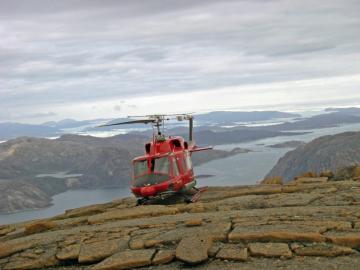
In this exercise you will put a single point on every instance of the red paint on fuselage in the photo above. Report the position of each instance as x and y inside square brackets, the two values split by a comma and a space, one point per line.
[180, 171]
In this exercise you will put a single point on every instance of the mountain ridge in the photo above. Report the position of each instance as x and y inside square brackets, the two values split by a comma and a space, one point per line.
[331, 152]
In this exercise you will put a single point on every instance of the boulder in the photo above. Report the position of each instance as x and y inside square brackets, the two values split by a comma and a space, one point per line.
[194, 222]
[127, 259]
[217, 230]
[325, 250]
[31, 260]
[193, 249]
[309, 180]
[163, 257]
[273, 180]
[270, 250]
[39, 226]
[70, 252]
[232, 253]
[133, 212]
[328, 174]
[348, 239]
[11, 247]
[6, 229]
[85, 211]
[309, 174]
[94, 252]
[276, 233]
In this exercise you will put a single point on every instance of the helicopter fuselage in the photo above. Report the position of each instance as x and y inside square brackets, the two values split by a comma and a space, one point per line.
[166, 168]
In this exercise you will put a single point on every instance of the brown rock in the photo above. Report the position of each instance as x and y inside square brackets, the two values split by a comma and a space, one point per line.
[270, 250]
[233, 254]
[163, 257]
[281, 232]
[213, 251]
[29, 260]
[345, 239]
[39, 251]
[8, 248]
[357, 172]
[218, 231]
[85, 211]
[69, 252]
[39, 226]
[194, 222]
[5, 230]
[328, 174]
[325, 250]
[309, 180]
[274, 180]
[127, 259]
[137, 244]
[152, 243]
[194, 249]
[294, 246]
[308, 175]
[97, 251]
[135, 212]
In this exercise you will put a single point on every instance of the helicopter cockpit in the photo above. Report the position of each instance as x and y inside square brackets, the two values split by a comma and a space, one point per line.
[151, 171]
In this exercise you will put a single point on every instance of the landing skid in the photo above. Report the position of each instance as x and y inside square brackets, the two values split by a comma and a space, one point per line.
[172, 198]
[195, 197]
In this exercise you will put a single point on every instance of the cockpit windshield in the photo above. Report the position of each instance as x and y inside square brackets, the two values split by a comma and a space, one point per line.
[151, 171]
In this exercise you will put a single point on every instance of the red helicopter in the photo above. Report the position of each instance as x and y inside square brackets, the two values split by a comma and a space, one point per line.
[166, 168]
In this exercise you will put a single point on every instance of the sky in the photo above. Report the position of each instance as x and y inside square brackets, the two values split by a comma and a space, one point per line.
[111, 58]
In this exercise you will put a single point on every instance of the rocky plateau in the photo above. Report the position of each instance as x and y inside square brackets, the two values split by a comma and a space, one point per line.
[308, 223]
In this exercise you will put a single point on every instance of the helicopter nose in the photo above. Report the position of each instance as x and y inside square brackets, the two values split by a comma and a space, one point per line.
[148, 191]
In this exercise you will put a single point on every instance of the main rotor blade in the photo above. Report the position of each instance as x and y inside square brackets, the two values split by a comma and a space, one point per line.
[142, 121]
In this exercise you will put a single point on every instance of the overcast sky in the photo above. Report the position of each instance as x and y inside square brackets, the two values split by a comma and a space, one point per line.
[107, 58]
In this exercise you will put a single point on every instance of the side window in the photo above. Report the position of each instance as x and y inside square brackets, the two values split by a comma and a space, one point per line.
[175, 167]
[161, 165]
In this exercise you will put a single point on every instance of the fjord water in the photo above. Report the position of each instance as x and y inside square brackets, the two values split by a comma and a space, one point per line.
[242, 169]
[249, 168]
[68, 200]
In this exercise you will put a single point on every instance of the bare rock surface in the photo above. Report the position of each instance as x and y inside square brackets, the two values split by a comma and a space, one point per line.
[308, 225]
[126, 260]
[270, 250]
[323, 250]
[164, 256]
[193, 249]
[232, 253]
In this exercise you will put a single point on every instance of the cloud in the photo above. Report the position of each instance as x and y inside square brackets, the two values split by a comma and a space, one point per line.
[66, 54]
[117, 108]
[42, 114]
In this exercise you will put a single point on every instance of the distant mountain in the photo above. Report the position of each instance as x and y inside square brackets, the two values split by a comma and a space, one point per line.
[322, 154]
[234, 116]
[318, 121]
[10, 130]
[25, 157]
[71, 123]
[351, 110]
